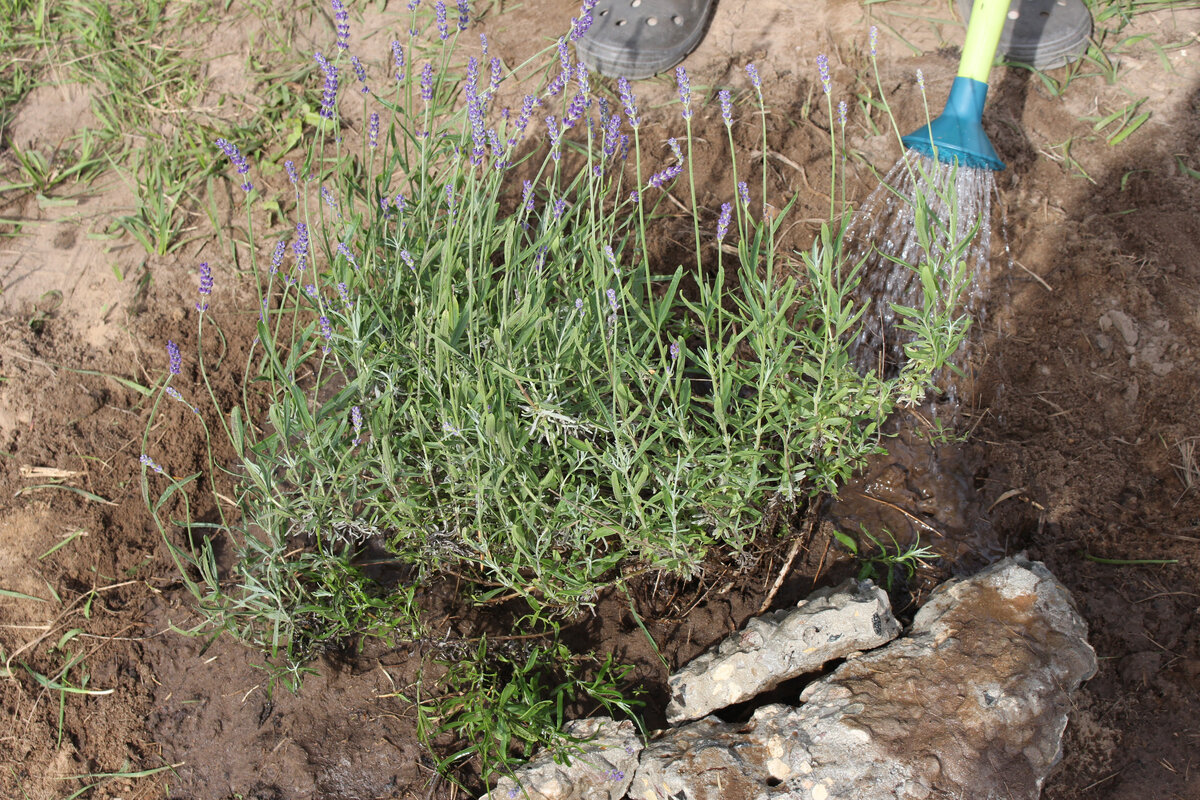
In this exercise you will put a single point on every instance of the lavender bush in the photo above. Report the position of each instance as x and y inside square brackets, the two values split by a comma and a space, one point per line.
[471, 362]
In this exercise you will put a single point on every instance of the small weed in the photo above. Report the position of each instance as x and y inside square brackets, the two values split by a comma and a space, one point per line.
[885, 565]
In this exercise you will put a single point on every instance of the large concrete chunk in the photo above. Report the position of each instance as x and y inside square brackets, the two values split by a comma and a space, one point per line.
[601, 770]
[832, 623]
[972, 703]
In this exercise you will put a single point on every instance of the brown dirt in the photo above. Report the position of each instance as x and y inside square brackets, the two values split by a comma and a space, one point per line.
[1084, 398]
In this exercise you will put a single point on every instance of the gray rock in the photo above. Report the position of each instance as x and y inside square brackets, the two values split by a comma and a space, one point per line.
[832, 623]
[602, 769]
[972, 703]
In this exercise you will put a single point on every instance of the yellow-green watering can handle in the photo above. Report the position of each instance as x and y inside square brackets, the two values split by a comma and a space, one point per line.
[983, 36]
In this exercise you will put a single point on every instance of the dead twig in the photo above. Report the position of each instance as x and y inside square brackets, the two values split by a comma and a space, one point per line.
[802, 539]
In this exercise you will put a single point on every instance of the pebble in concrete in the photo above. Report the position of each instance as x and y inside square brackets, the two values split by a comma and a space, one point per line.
[602, 769]
[832, 623]
[972, 703]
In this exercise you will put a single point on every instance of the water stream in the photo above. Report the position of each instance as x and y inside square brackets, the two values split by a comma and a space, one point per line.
[920, 490]
[886, 233]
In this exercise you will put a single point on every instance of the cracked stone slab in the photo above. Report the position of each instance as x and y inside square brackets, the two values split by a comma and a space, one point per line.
[601, 769]
[971, 703]
[831, 623]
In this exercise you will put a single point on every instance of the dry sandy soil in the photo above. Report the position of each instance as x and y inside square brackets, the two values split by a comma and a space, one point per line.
[1083, 413]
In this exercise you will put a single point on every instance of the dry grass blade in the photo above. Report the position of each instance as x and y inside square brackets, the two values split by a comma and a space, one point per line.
[1188, 469]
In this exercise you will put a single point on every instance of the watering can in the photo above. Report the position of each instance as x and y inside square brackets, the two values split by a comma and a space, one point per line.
[957, 135]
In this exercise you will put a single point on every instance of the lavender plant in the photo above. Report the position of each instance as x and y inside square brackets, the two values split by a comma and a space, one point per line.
[470, 360]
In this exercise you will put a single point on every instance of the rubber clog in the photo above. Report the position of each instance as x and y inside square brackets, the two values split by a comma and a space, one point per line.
[1044, 34]
[641, 38]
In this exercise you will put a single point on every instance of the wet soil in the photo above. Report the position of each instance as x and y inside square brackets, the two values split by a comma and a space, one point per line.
[1081, 407]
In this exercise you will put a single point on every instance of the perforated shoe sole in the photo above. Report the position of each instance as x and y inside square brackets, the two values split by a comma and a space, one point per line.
[640, 38]
[1042, 33]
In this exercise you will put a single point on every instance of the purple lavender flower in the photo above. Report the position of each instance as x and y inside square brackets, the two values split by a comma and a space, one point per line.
[494, 77]
[629, 102]
[564, 55]
[342, 20]
[471, 82]
[277, 256]
[310, 289]
[356, 420]
[612, 299]
[450, 199]
[726, 106]
[555, 133]
[412, 5]
[464, 15]
[443, 27]
[373, 130]
[346, 254]
[326, 333]
[527, 196]
[723, 221]
[674, 351]
[361, 72]
[752, 71]
[344, 294]
[300, 246]
[329, 92]
[239, 162]
[823, 71]
[581, 77]
[557, 85]
[174, 359]
[427, 82]
[685, 90]
[147, 461]
[873, 39]
[407, 258]
[398, 59]
[293, 176]
[579, 104]
[673, 143]
[612, 135]
[206, 287]
[522, 120]
[744, 193]
[560, 205]
[842, 110]
[400, 203]
[330, 201]
[174, 394]
[921, 79]
[634, 196]
[579, 304]
[483, 44]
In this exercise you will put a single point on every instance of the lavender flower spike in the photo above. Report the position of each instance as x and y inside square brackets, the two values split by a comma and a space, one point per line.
[685, 91]
[329, 91]
[356, 420]
[346, 254]
[464, 14]
[341, 19]
[300, 246]
[326, 332]
[373, 130]
[744, 193]
[147, 461]
[873, 39]
[842, 110]
[823, 71]
[723, 221]
[427, 82]
[443, 27]
[752, 71]
[238, 160]
[174, 358]
[277, 256]
[398, 59]
[361, 72]
[726, 106]
[206, 287]
[628, 101]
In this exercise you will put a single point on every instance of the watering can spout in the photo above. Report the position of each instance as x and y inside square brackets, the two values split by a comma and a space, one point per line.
[957, 135]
